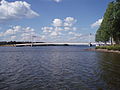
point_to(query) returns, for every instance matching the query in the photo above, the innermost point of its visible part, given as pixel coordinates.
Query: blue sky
(51, 20)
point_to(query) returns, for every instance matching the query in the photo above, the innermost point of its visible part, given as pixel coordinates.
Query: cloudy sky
(51, 20)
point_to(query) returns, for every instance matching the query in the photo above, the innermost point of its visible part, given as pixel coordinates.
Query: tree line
(109, 29)
(16, 42)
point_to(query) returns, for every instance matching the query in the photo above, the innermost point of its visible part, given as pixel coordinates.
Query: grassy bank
(111, 47)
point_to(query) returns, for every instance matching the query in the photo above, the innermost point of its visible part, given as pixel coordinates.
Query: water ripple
(58, 68)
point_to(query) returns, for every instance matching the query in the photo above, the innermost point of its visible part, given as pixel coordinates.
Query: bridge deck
(42, 44)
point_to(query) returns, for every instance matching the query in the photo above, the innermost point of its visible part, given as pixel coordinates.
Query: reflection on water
(58, 68)
(110, 67)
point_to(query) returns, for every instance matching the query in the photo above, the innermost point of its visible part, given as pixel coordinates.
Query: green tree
(116, 22)
(104, 32)
(110, 26)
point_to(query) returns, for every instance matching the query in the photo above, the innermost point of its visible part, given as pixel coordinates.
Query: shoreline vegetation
(108, 48)
(13, 43)
(109, 30)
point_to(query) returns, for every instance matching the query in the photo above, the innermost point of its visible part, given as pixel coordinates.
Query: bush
(111, 47)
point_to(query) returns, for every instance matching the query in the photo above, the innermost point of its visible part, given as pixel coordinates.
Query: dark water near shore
(58, 68)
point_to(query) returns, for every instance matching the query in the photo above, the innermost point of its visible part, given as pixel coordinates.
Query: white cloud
(78, 35)
(17, 28)
(21, 33)
(9, 32)
(15, 10)
(57, 22)
(70, 28)
(28, 30)
(71, 33)
(60, 28)
(55, 33)
(75, 34)
(57, 1)
(25, 34)
(67, 28)
(97, 23)
(69, 21)
(47, 29)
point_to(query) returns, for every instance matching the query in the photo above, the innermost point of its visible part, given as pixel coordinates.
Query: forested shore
(109, 30)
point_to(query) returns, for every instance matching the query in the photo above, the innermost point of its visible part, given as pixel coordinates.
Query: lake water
(58, 68)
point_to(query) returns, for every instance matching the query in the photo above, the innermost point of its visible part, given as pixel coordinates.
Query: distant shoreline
(14, 45)
(7, 46)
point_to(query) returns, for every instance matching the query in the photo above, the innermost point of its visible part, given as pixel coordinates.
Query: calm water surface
(58, 68)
